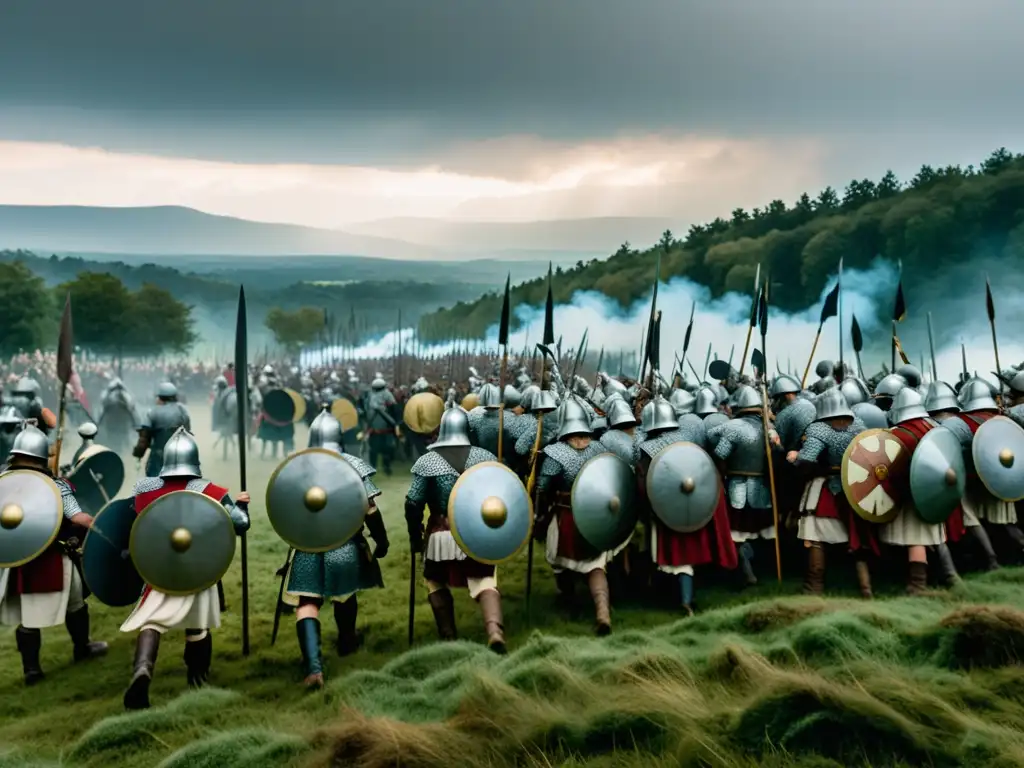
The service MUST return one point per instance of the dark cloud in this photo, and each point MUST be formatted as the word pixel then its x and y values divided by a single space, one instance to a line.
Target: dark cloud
pixel 392 80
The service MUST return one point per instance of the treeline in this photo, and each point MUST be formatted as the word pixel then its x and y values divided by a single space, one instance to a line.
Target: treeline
pixel 940 217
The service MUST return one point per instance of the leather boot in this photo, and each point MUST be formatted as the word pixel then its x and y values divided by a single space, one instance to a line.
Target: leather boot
pixel 345 617
pixel 490 607
pixel 598 581
pixel 864 578
pixel 77 624
pixel 29 642
pixel 946 567
pixel 308 631
pixel 917 578
pixel 198 657
pixel 686 592
pixel 146 647
pixel 814 579
pixel 444 613
pixel 981 539
pixel 746 553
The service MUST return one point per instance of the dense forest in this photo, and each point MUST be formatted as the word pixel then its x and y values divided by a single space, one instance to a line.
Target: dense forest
pixel 941 217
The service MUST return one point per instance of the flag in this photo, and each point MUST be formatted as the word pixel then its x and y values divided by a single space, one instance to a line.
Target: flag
pixel 858 339
pixel 78 390
pixel 899 311
pixel 899 348
pixel 831 306
pixel 503 323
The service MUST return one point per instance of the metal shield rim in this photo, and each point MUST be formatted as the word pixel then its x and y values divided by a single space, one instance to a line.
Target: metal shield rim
pixel 974 455
pixel 451 517
pixel 347 413
pixel 633 512
pixel 89 535
pixel 300 405
pixel 956 451
pixel 888 516
pixel 647 481
pixel 180 593
pixel 60 518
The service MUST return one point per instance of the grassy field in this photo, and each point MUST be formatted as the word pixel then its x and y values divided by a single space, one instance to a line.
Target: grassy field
pixel 761 679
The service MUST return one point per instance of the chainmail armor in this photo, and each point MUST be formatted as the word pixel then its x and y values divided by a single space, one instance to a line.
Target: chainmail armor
pixel 652 446
pixel 825 444
pixel 365 473
pixel 618 442
pixel 67 498
pixel 693 428
pixel 1017 414
pixel 433 478
pixel 562 460
pixel 739 443
pixel 791 423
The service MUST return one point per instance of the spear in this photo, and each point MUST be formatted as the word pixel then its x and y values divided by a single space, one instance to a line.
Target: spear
pixel 753 318
pixel 707 362
pixel 650 320
pixel 899 311
pixel 963 360
pixel 839 286
pixel 858 344
pixel 242 403
pixel 732 349
pixel 991 307
pixel 65 348
pixel 828 309
pixel 764 423
pixel 686 339
pixel 503 341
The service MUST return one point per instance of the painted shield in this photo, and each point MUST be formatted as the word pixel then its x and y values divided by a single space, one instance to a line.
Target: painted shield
pixel 31 512
pixel 683 487
pixel 279 406
pixel 182 543
pixel 316 500
pixel 874 470
pixel 107 566
pixel 97 478
pixel 872 416
pixel 937 475
pixel 998 452
pixel 470 401
pixel 603 502
pixel 345 412
pixel 300 405
pixel 490 513
pixel 422 412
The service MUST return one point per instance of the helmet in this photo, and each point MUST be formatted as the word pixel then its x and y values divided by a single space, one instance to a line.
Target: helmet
pixel 326 431
pixel 611 386
pixel 706 403
pixel 490 396
pixel 784 384
pixel 682 401
pixel 512 396
pixel 268 369
pixel 454 429
pixel 854 390
pixel 87 431
pixel 27 386
pixel 658 416
pixel 619 414
pixel 1017 383
pixel 116 383
pixel 31 442
pixel 745 398
pixel 378 383
pixel 543 402
pixel 890 385
pixel 940 398
pixel 573 419
pixel 166 391
pixel 529 396
pixel 908 404
pixel 911 374
pixel 220 382
pixel 181 456
pixel 976 395
pixel 420 385
pixel 9 415
pixel 831 404
pixel 824 368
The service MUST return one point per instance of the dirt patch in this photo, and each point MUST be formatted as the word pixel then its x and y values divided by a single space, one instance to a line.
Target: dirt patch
pixel 983 637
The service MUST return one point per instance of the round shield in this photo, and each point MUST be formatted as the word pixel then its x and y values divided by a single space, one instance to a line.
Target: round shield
pixel 937 475
pixel 470 401
pixel 31 512
pixel 108 572
pixel 316 500
pixel 872 416
pixel 603 502
pixel 279 406
pixel 300 405
pixel 683 487
pixel 875 464
pixel 345 412
pixel 422 412
pixel 97 478
pixel 998 453
pixel 182 543
pixel 490 513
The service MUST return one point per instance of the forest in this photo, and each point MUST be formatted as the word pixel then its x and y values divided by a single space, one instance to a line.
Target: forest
pixel 940 217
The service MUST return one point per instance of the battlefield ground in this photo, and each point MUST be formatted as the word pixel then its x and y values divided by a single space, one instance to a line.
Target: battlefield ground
pixel 758 678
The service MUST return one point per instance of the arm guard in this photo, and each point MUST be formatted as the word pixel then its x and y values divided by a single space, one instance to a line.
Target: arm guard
pixel 375 522
pixel 239 515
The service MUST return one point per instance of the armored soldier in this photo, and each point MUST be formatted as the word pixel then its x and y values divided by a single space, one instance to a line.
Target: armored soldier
pixel 739 446
pixel 48 590
pixel 159 423
pixel 156 612
pixel 825 370
pixel 339 574
pixel 566 550
pixel 619 436
pixel 445 565
pixel 25 398
pixel 523 430
pixel 826 515
pixel 887 389
pixel 483 420
pixel 88 434
pixel 117 417
pixel 269 430
pixel 381 424
pixel 793 414
pixel 10 425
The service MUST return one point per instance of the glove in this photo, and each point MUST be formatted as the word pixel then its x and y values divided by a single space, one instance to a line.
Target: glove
pixel 375 522
pixel 239 513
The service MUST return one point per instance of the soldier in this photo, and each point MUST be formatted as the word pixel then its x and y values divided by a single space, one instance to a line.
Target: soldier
pixel 159 423
pixel 887 389
pixel 483 420
pixel 826 514
pixel 1014 398
pixel 339 574
pixel 156 612
pixel 567 551
pixel 739 447
pixel 619 437
pixel 269 430
pixel 445 565
pixel 48 590
pixel 381 424
pixel 117 417
pixel 87 432
pixel 25 398
pixel 793 414
pixel 10 425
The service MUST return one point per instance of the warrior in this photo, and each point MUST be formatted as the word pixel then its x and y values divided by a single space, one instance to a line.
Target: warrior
pixel 117 417
pixel 483 420
pixel 739 448
pixel 337 575
pixel 1015 398
pixel 25 397
pixel 793 414
pixel 10 424
pixel 48 590
pixel 224 413
pixel 381 424
pixel 826 516
pixel 445 565
pixel 156 613
pixel 619 437
pixel 685 403
pixel 567 551
pixel 887 389
pixel 270 431
pixel 523 430
pixel 88 434
pixel 160 422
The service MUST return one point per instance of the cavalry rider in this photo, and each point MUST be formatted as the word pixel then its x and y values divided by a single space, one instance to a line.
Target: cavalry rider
pixel 337 575
pixel 156 612
pixel 48 590
pixel 445 565
pixel 381 424
pixel 159 423
pixel 567 551
pixel 826 516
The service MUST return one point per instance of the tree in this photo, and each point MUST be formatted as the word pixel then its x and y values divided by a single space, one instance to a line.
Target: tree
pixel 159 322
pixel 101 308
pixel 888 186
pixel 667 241
pixel 26 310
pixel 293 330
pixel 740 216
pixel 997 162
pixel 827 200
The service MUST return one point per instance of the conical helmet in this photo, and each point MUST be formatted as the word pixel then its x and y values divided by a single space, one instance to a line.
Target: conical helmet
pixel 220 382
pixel 454 429
pixel 513 397
pixel 890 385
pixel 573 419
pixel 706 402
pixel 831 404
pixel 31 442
pixel 940 398
pixel 682 401
pixel 745 398
pixel 908 404
pixel 911 375
pixel 611 386
pixel 490 396
pixel 326 431
pixel 9 415
pixel 529 396
pixel 27 386
pixel 166 391
pixel 619 414
pixel 87 431
pixel 854 390
pixel 976 395
pixel 181 456
pixel 544 402
pixel 784 384
pixel 378 384
pixel 658 416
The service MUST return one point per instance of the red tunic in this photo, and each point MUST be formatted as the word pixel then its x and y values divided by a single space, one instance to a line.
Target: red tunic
pixel 46 572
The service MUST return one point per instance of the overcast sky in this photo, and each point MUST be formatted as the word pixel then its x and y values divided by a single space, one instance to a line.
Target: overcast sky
pixel 328 112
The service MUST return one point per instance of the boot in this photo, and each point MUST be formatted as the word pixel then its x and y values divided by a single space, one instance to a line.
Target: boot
pixel 146 647
pixel 814 579
pixel 746 553
pixel 345 617
pixel 864 579
pixel 598 581
pixel 308 631
pixel 198 657
pixel 444 613
pixel 686 592
pixel 29 642
pixel 917 578
pixel 947 570
pixel 980 536
pixel 490 607
pixel 77 624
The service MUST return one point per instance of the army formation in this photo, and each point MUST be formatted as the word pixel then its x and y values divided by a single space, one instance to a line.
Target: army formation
pixel 649 479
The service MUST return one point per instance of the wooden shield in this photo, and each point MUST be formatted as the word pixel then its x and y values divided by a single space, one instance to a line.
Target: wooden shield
pixel 422 413
pixel 344 411
pixel 300 405
pixel 875 472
